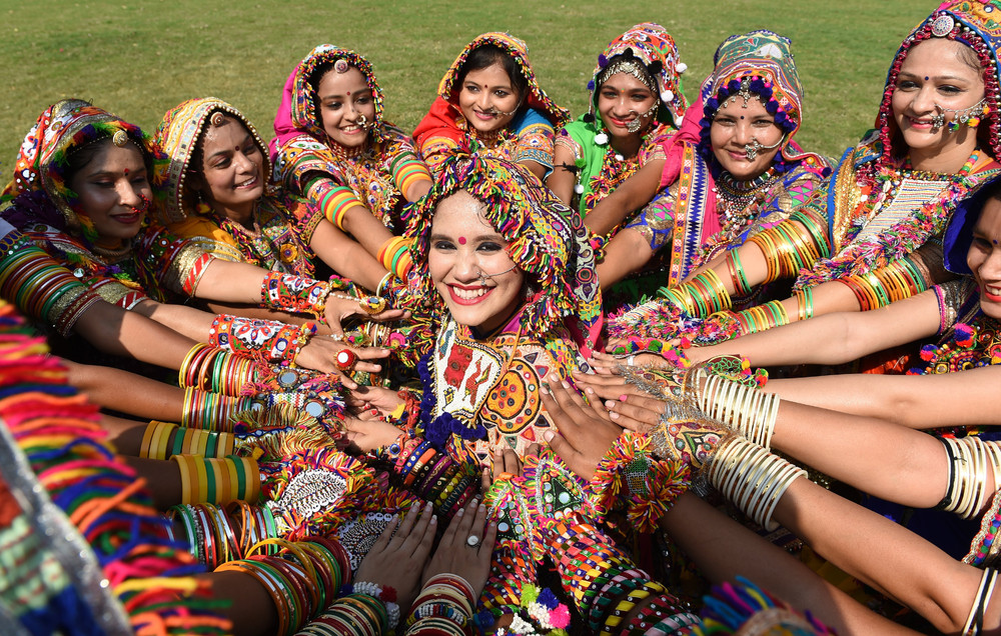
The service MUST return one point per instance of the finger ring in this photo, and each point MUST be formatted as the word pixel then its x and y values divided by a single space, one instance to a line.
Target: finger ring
pixel 345 359
pixel 336 337
pixel 472 541
pixel 372 304
pixel 630 360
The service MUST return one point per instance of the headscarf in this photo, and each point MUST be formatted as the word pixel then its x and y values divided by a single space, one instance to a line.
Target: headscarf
pixel 177 136
pixel 650 44
pixel 42 165
pixel 959 233
pixel 298 111
pixel 547 242
pixel 444 117
pixel 976 24
pixel 762 63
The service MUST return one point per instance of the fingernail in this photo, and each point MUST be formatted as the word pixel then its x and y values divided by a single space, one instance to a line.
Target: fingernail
pixel 548 435
pixel 415 505
pixel 434 520
pixel 461 510
pixel 428 506
pixel 610 404
pixel 544 388
pixel 623 397
pixel 613 415
pixel 474 501
pixel 566 385
pixel 482 507
pixel 589 391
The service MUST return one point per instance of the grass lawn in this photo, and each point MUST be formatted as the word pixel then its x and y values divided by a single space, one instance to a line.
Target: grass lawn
pixel 138 59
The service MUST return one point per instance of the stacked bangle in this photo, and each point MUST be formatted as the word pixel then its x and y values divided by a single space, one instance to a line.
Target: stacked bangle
pixel 218 481
pixel 211 411
pixel 705 294
pixel 786 247
pixel 975 621
pixel 899 280
pixel 747 410
pixel 444 607
pixel 738 278
pixel 968 460
pixel 211 369
pixel 163 439
pixel 752 478
pixel 762 317
pixel 395 256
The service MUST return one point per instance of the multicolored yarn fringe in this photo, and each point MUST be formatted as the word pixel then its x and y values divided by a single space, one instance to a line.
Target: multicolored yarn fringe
pixel 314 395
pixel 730 608
pixel 629 474
pixel 540 612
pixel 663 320
pixel 670 352
pixel 972 346
pixel 58 432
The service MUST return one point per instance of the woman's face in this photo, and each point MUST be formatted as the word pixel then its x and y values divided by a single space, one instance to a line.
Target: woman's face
pixel 232 168
pixel 470 266
pixel 934 77
pixel 114 192
pixel 624 101
pixel 487 98
pixel 346 103
pixel 734 128
pixel 984 257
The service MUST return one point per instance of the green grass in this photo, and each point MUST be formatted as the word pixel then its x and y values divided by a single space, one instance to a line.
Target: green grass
pixel 139 59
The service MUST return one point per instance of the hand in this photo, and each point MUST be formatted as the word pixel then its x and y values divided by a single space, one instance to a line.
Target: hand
pixel 585 431
pixel 368 435
pixel 397 560
pixel 605 363
pixel 607 387
pixel 505 464
pixel 319 353
pixel 339 308
pixel 373 398
pixel 456 556
pixel 636 412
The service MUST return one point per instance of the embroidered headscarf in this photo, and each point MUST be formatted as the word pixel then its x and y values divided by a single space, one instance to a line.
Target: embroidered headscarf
pixel 977 24
pixel 445 115
pixel 42 162
pixel 757 63
pixel 652 46
pixel 547 242
pixel 177 136
pixel 299 110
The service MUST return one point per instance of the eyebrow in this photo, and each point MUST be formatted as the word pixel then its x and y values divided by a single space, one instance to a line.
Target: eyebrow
pixel 935 77
pixel 472 239
pixel 324 98
pixel 225 151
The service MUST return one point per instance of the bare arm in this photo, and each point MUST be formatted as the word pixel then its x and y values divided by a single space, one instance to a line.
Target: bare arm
pixel 127 392
pixel 632 194
pixel 724 549
pixel 347 257
pixel 129 334
pixel 561 180
pixel 835 338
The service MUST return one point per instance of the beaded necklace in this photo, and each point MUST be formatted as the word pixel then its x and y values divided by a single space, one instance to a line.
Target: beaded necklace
pixel 739 201
pixel 974 345
pixel 616 167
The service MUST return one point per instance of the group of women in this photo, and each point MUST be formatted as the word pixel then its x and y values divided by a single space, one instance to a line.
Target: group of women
pixel 420 384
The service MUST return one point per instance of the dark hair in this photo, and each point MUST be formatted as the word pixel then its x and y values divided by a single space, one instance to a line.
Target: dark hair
pixel 79 158
pixel 487 55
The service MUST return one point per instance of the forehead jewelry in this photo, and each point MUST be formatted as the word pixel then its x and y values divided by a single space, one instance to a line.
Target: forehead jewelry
pixel 629 66
pixel 217 118
pixel 341 66
pixel 969 116
pixel 120 138
pixel 744 92
pixel 756 146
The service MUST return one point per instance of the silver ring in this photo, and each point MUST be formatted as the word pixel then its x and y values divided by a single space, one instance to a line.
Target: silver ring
pixel 472 541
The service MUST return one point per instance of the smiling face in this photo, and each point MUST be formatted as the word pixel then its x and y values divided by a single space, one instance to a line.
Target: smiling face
pixel 488 99
pixel 936 75
pixel 622 100
pixel 984 257
pixel 345 102
pixel 470 266
pixel 232 169
pixel 734 128
pixel 114 192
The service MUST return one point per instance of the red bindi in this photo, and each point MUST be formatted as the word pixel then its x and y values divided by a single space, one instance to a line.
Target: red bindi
pixel 126 172
pixel 462 240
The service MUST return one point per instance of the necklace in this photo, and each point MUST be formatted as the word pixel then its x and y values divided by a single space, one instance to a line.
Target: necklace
pixel 113 255
pixel 738 200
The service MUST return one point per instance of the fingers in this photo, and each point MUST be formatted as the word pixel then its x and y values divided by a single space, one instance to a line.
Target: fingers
pixel 645 402
pixel 486 479
pixel 533 449
pixel 557 415
pixel 387 315
pixel 383 541
pixel 371 353
pixel 424 525
pixel 346 381
pixel 476 528
pixel 505 462
pixel 410 519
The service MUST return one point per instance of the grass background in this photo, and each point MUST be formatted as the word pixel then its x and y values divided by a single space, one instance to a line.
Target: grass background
pixel 138 59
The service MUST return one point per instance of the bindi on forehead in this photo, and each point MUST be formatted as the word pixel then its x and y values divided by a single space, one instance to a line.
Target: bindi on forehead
pixel 462 240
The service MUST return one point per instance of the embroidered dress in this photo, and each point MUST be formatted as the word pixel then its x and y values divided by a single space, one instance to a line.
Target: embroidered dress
pixel 444 131
pixel 376 175
pixel 283 225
